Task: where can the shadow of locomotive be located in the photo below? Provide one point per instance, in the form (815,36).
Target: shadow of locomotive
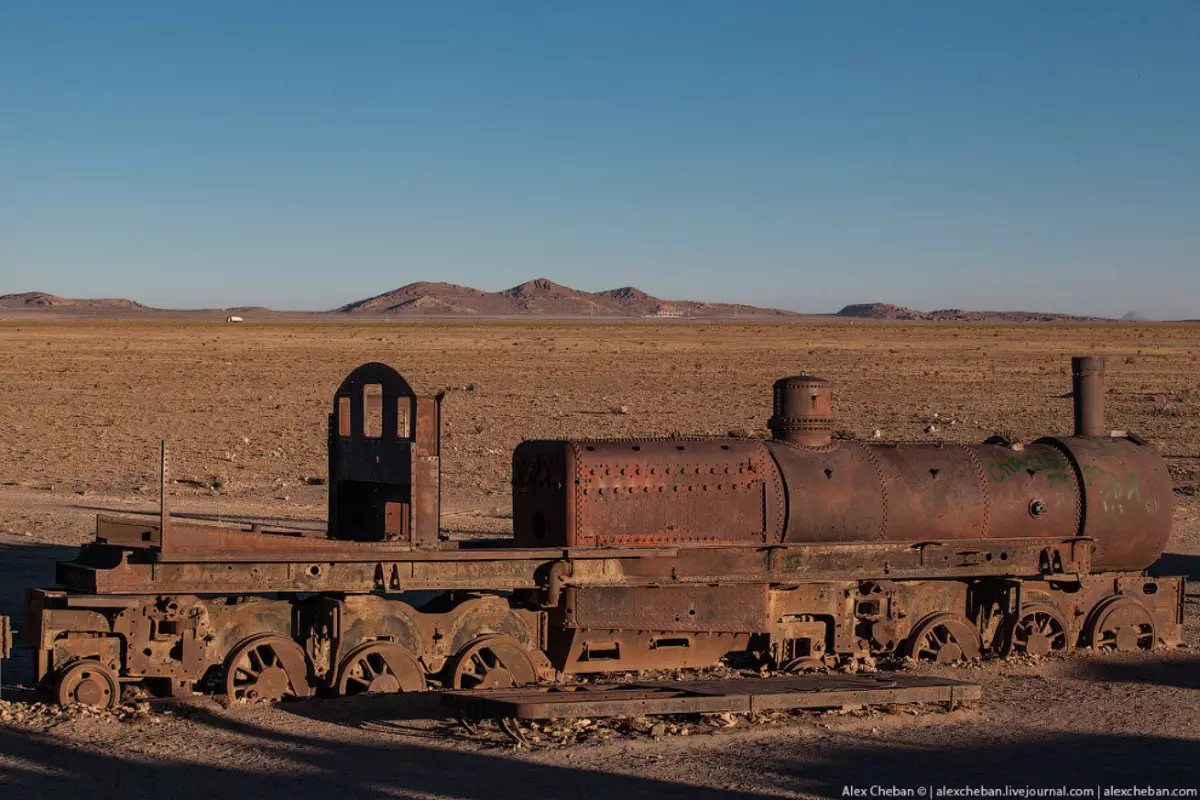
(24,565)
(1182,673)
(378,711)
(278,764)
(1177,564)
(283,764)
(1076,761)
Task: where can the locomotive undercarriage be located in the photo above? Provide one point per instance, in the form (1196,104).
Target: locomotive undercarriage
(551,615)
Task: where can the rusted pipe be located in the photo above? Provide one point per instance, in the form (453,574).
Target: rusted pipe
(1087,389)
(803,411)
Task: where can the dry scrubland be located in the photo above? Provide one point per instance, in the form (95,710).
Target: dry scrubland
(84,404)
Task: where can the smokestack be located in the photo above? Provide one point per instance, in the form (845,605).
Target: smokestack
(1087,388)
(803,407)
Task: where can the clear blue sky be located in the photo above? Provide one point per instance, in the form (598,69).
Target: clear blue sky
(302,155)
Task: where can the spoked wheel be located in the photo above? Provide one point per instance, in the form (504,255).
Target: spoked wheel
(380,668)
(1122,624)
(944,639)
(1039,631)
(491,662)
(87,683)
(266,668)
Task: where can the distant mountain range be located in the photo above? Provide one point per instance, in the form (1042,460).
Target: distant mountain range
(542,297)
(536,298)
(889,311)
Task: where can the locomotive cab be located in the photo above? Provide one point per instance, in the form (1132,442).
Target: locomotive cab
(384,460)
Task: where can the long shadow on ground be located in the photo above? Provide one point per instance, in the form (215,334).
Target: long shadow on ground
(299,767)
(1074,761)
(280,764)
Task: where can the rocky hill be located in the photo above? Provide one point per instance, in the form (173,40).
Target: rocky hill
(882,311)
(894,312)
(46,300)
(542,297)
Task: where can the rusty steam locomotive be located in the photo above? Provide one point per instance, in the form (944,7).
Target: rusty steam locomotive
(628,554)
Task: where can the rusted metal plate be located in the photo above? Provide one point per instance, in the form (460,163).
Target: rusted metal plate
(6,639)
(734,696)
(1031,490)
(803,411)
(646,491)
(426,509)
(295,564)
(733,608)
(383,460)
(1087,392)
(126,532)
(1126,498)
(578,651)
(926,492)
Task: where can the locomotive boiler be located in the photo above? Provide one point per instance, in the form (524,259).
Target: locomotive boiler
(803,486)
(796,553)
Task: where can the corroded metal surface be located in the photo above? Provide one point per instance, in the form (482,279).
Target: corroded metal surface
(746,696)
(1125,498)
(802,488)
(798,553)
(1087,391)
(803,411)
(645,492)
(384,460)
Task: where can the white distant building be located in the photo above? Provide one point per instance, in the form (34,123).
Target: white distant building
(667,313)
(235,319)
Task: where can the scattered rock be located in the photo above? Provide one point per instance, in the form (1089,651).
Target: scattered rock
(48,715)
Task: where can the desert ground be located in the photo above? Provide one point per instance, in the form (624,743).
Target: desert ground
(84,404)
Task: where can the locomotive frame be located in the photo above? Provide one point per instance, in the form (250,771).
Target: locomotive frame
(685,561)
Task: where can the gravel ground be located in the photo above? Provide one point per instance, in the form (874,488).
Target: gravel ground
(82,406)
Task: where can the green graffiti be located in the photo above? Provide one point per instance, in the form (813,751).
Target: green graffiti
(1111,487)
(1133,491)
(1055,478)
(1000,471)
(1103,481)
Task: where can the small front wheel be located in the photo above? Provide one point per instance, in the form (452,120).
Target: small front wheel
(87,683)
